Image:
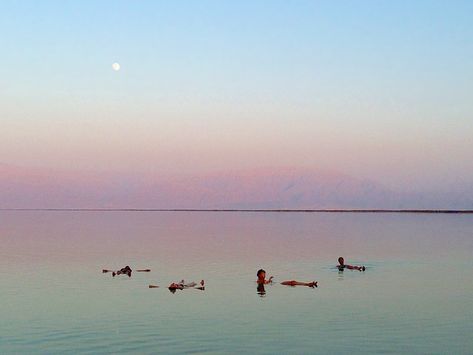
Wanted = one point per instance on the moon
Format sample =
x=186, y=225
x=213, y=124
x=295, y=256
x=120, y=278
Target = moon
x=116, y=66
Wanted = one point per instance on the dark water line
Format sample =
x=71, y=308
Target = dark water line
x=243, y=210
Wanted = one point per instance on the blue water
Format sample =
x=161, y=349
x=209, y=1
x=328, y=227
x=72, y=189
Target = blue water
x=416, y=295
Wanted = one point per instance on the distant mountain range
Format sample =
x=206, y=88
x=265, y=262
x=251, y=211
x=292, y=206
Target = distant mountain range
x=276, y=188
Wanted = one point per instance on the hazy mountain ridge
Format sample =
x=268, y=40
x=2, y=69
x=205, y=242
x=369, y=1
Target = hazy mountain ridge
x=292, y=188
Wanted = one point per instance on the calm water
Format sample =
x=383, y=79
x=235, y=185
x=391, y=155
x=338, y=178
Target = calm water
x=416, y=295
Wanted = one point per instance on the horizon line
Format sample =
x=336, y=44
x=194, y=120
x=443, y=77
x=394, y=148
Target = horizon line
x=249, y=210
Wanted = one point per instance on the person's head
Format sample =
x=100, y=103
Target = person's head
x=261, y=274
x=341, y=261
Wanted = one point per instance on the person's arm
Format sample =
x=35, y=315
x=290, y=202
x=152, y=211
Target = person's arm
x=270, y=280
x=354, y=267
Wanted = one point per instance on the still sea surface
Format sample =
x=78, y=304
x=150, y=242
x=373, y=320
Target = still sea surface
x=416, y=295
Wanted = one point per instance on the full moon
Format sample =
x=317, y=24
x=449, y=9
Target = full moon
x=116, y=66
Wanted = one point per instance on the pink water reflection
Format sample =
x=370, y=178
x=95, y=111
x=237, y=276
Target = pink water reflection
x=209, y=239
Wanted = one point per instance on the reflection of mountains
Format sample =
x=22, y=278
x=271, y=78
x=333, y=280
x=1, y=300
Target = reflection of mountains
x=269, y=188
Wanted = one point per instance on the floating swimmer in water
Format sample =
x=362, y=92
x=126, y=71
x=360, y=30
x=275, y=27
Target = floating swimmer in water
x=124, y=271
x=341, y=266
x=182, y=285
x=261, y=274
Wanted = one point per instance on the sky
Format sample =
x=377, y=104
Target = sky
x=374, y=89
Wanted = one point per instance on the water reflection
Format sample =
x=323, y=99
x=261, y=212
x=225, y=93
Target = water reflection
x=182, y=285
x=398, y=304
x=260, y=290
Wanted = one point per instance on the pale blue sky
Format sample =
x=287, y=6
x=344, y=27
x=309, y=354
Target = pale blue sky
x=379, y=89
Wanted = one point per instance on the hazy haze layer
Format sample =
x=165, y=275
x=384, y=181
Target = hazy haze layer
x=376, y=90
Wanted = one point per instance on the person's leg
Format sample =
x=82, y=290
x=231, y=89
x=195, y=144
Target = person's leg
x=299, y=283
x=289, y=283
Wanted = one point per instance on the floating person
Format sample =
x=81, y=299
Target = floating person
x=125, y=271
x=341, y=266
x=261, y=275
x=182, y=285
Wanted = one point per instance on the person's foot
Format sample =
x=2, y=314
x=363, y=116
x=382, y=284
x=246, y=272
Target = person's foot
x=113, y=273
x=363, y=268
